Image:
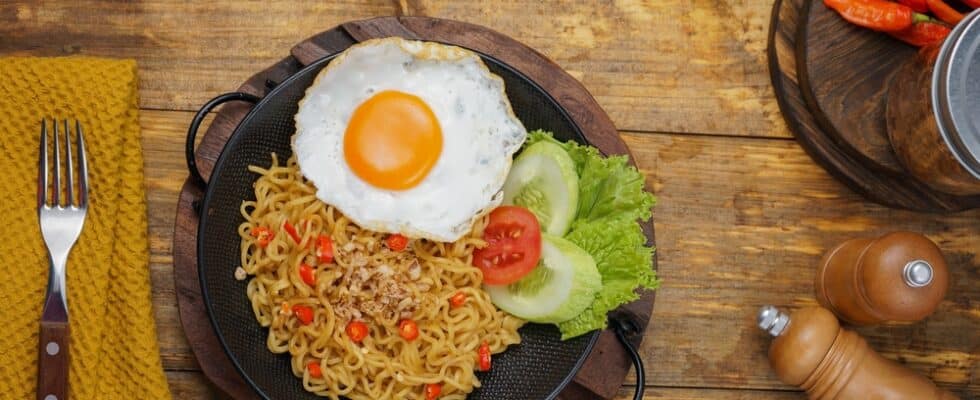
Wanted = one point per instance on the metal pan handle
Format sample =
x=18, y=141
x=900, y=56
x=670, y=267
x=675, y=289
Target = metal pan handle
x=196, y=123
x=623, y=328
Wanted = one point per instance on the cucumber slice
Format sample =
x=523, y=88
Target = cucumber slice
x=564, y=284
x=543, y=180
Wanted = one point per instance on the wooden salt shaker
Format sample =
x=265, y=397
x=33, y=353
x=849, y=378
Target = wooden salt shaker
x=813, y=352
x=898, y=278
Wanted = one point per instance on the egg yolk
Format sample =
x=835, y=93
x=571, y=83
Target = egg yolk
x=393, y=140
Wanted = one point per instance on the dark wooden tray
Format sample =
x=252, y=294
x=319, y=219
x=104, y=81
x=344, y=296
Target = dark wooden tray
x=831, y=81
x=603, y=372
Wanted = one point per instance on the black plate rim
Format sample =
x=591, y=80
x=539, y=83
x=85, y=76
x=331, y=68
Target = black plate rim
x=234, y=138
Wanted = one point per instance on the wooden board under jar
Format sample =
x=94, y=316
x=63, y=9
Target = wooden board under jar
x=842, y=74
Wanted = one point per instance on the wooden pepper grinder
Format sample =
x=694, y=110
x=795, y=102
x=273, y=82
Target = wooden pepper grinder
x=900, y=277
x=813, y=352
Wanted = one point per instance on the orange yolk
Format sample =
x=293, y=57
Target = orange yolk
x=393, y=140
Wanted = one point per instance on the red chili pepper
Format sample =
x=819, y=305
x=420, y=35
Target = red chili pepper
x=484, y=356
x=314, y=368
x=457, y=300
x=408, y=330
x=879, y=15
x=972, y=3
x=308, y=274
x=303, y=313
x=432, y=391
x=324, y=249
x=945, y=12
x=357, y=331
x=396, y=242
x=923, y=33
x=291, y=230
x=262, y=235
x=916, y=5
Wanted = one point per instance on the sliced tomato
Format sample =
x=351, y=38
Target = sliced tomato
x=513, y=238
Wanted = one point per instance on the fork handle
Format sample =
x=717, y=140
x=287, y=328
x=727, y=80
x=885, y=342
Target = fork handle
x=54, y=338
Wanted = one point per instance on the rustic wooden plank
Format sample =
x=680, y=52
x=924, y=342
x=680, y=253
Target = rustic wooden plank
x=656, y=65
x=742, y=223
x=703, y=394
x=190, y=385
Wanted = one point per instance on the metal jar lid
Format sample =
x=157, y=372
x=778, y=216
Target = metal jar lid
x=956, y=92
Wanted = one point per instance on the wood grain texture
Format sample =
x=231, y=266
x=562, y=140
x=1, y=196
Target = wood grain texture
x=741, y=223
x=876, y=184
x=845, y=71
x=652, y=65
x=53, y=359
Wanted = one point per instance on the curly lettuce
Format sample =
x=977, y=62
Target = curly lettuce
x=611, y=201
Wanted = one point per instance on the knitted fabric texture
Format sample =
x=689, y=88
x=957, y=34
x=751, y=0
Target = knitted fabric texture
x=114, y=353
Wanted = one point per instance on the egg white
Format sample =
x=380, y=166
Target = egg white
x=479, y=128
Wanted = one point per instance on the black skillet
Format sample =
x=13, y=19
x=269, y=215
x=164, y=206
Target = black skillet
x=538, y=368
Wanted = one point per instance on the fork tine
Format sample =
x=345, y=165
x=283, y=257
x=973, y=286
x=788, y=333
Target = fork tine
x=56, y=199
x=69, y=176
x=42, y=166
x=82, y=166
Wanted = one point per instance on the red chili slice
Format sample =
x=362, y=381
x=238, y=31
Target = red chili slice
x=396, y=242
x=357, y=331
x=324, y=249
x=263, y=236
x=291, y=230
x=484, y=356
x=308, y=274
x=314, y=368
x=303, y=313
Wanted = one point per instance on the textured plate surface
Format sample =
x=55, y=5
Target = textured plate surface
x=538, y=368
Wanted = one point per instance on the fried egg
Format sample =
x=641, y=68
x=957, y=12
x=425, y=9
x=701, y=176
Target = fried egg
x=408, y=137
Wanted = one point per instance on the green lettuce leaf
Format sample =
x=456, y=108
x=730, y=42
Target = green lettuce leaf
x=618, y=246
x=608, y=186
x=611, y=200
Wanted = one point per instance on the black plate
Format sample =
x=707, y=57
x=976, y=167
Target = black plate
x=538, y=368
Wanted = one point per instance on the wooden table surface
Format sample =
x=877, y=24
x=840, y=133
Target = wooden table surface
x=743, y=215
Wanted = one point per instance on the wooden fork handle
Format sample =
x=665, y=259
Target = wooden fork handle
x=52, y=375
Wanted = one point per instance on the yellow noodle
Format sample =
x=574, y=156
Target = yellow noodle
x=383, y=365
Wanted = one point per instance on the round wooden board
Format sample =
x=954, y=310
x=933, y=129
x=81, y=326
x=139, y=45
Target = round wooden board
x=602, y=374
x=830, y=80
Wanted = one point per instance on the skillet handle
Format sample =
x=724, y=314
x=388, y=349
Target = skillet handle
x=196, y=123
x=623, y=328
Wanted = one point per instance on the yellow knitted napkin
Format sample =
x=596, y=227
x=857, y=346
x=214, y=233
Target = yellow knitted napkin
x=114, y=353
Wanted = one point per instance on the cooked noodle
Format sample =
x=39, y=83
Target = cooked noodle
x=363, y=280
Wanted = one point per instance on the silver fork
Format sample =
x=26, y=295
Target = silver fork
x=61, y=214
